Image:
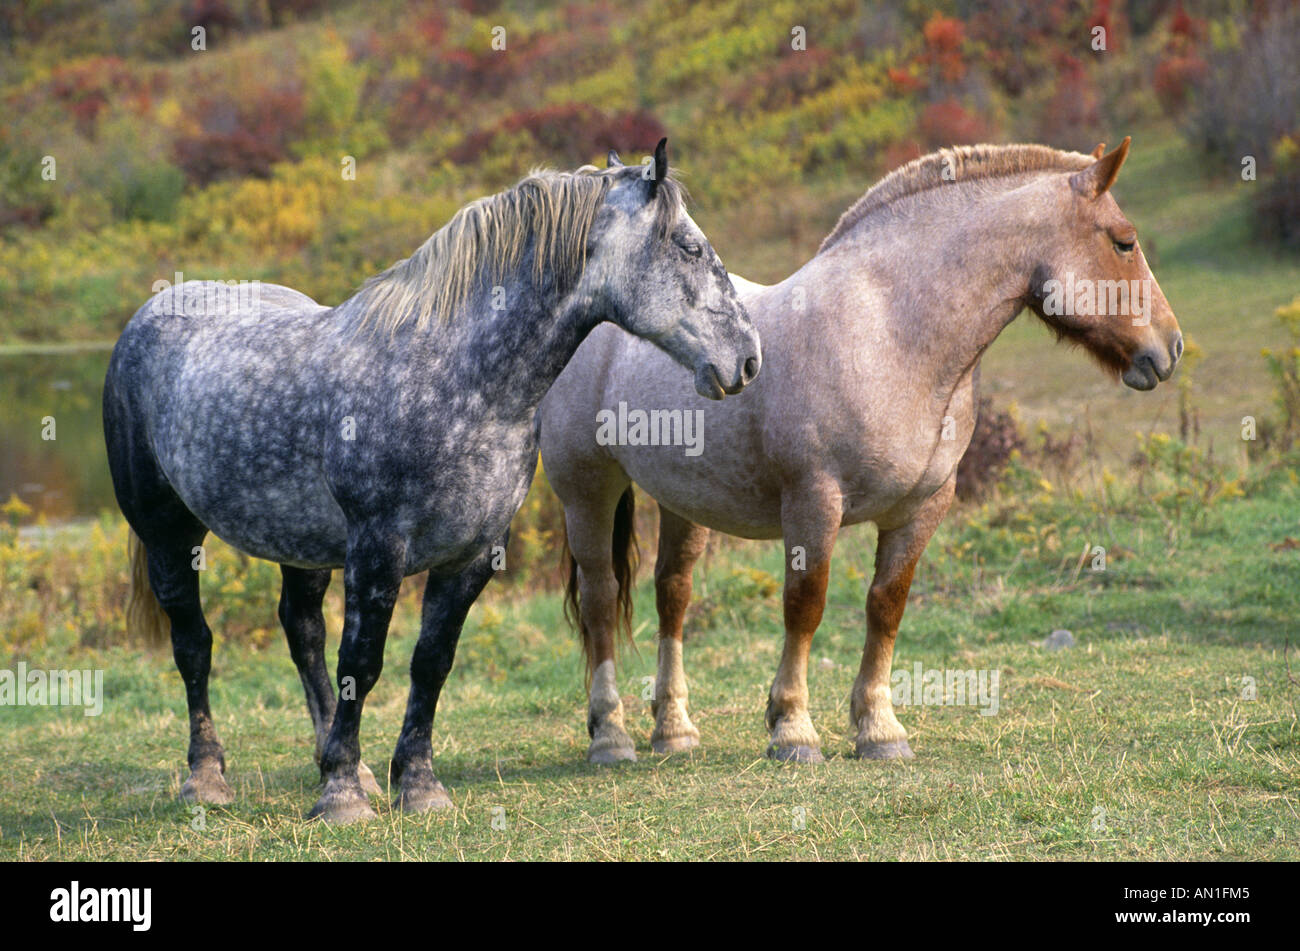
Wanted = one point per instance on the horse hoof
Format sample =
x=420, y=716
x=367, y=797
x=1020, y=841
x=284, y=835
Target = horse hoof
x=342, y=804
x=368, y=781
x=892, y=749
x=795, y=754
x=206, y=785
x=424, y=797
x=609, y=755
x=674, y=744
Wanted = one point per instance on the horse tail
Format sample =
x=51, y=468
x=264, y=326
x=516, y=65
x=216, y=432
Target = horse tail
x=145, y=619
x=626, y=556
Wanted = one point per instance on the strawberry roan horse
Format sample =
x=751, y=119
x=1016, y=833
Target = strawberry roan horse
x=392, y=434
x=866, y=405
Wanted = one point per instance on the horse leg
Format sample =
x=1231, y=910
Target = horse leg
x=372, y=577
x=590, y=530
x=301, y=595
x=810, y=519
x=447, y=600
x=871, y=707
x=680, y=545
x=175, y=583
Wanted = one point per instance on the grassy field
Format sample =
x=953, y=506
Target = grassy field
x=1168, y=731
x=1140, y=742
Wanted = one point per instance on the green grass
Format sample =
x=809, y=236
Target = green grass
x=1135, y=744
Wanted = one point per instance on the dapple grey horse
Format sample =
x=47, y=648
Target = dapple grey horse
x=392, y=434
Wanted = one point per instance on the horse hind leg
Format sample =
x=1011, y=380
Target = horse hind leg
x=590, y=529
x=680, y=545
x=175, y=583
x=301, y=596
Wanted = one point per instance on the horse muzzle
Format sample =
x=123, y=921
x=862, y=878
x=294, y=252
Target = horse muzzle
x=1153, y=365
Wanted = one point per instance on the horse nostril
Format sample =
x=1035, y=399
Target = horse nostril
x=750, y=371
x=1178, y=348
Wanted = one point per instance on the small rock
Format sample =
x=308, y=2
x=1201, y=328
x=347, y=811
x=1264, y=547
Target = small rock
x=827, y=663
x=1058, y=639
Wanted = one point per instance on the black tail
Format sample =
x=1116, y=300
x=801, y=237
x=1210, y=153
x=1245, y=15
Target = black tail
x=626, y=556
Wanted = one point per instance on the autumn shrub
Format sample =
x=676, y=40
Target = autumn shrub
x=1278, y=201
x=997, y=435
x=1249, y=95
x=236, y=138
x=949, y=123
x=570, y=129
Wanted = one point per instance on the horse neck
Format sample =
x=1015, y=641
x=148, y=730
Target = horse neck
x=517, y=350
x=955, y=269
x=523, y=347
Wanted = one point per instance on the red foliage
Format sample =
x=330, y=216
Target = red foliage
x=900, y=153
x=1073, y=109
x=236, y=139
x=1174, y=77
x=995, y=438
x=1189, y=28
x=570, y=130
x=948, y=123
x=903, y=80
x=1102, y=17
x=944, y=37
x=1182, y=66
x=789, y=79
x=944, y=34
x=86, y=87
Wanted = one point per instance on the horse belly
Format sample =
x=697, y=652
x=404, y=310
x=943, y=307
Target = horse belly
x=293, y=523
x=717, y=494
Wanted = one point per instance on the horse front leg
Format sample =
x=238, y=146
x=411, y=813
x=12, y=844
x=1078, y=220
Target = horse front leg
x=810, y=521
x=372, y=577
x=447, y=600
x=302, y=594
x=871, y=706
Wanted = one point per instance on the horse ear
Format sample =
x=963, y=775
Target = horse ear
x=661, y=161
x=612, y=160
x=1098, y=152
x=1096, y=179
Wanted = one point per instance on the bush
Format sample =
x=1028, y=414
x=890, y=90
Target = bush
x=996, y=437
x=239, y=138
x=569, y=130
x=1249, y=94
x=1278, y=201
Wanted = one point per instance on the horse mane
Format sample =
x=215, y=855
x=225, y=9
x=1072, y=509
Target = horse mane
x=961, y=163
x=488, y=237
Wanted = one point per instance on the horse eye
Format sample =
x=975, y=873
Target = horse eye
x=694, y=250
x=1124, y=245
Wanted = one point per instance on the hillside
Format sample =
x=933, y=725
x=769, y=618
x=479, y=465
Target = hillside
x=230, y=162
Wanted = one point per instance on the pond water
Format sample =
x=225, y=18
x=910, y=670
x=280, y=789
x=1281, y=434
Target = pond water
x=65, y=477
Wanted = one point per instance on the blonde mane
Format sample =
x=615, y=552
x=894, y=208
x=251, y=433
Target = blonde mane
x=961, y=163
x=488, y=237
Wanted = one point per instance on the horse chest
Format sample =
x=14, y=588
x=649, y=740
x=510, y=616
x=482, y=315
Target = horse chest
x=467, y=506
